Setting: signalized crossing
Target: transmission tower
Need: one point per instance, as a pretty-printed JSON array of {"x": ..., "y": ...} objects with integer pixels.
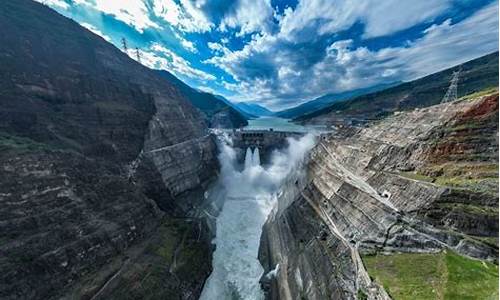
[
  {"x": 124, "y": 45},
  {"x": 451, "y": 94},
  {"x": 138, "y": 54}
]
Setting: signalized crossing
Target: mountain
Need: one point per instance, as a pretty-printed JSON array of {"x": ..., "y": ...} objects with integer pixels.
[
  {"x": 233, "y": 105},
  {"x": 254, "y": 109},
  {"x": 218, "y": 113},
  {"x": 475, "y": 75},
  {"x": 323, "y": 101},
  {"x": 104, "y": 164},
  {"x": 385, "y": 207}
]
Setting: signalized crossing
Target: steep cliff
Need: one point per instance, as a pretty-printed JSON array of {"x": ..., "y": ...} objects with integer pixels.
[
  {"x": 395, "y": 186},
  {"x": 103, "y": 163}
]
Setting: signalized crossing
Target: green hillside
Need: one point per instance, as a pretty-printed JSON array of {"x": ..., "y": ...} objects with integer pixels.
[{"x": 475, "y": 75}]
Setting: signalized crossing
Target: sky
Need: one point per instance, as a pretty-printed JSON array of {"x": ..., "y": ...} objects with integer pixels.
[{"x": 280, "y": 53}]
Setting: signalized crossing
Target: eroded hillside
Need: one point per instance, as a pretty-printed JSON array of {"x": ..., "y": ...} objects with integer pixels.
[
  {"x": 421, "y": 181},
  {"x": 102, "y": 161}
]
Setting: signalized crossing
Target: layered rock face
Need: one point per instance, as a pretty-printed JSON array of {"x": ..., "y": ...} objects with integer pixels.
[
  {"x": 103, "y": 163},
  {"x": 373, "y": 190}
]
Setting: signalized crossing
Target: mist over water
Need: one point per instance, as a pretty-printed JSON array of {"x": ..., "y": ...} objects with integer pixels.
[{"x": 249, "y": 196}]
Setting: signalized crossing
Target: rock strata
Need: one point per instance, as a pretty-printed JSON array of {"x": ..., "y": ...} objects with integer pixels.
[
  {"x": 103, "y": 165},
  {"x": 366, "y": 192}
]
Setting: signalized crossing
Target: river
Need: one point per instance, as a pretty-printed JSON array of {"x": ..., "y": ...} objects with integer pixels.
[
  {"x": 280, "y": 124},
  {"x": 249, "y": 195}
]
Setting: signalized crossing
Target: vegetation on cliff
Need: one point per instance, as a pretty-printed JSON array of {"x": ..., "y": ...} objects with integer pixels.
[{"x": 444, "y": 275}]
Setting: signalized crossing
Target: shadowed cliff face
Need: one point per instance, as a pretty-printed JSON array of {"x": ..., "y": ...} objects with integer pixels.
[
  {"x": 98, "y": 155},
  {"x": 416, "y": 182}
]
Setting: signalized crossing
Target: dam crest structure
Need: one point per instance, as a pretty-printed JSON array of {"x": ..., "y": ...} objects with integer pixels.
[{"x": 265, "y": 140}]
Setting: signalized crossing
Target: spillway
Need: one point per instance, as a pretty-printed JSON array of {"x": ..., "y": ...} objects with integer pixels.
[{"x": 248, "y": 195}]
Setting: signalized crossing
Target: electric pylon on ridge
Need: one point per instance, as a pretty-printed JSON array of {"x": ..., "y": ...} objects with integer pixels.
[{"x": 452, "y": 95}]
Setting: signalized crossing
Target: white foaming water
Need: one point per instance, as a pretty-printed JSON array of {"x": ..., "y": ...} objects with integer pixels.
[
  {"x": 248, "y": 158},
  {"x": 256, "y": 157},
  {"x": 248, "y": 199}
]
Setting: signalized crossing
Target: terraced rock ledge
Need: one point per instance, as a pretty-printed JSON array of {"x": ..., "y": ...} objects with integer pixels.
[{"x": 420, "y": 182}]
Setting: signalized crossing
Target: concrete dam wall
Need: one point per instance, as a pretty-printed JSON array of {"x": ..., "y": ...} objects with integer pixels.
[{"x": 266, "y": 140}]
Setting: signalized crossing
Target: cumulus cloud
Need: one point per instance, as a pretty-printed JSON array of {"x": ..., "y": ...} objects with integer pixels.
[
  {"x": 443, "y": 45},
  {"x": 249, "y": 16},
  {"x": 218, "y": 48},
  {"x": 185, "y": 15},
  {"x": 188, "y": 45},
  {"x": 318, "y": 17},
  {"x": 132, "y": 12},
  {"x": 284, "y": 55},
  {"x": 280, "y": 71},
  {"x": 55, "y": 3},
  {"x": 159, "y": 57},
  {"x": 96, "y": 31}
]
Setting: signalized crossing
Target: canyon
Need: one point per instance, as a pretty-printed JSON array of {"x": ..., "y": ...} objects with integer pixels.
[
  {"x": 361, "y": 197},
  {"x": 115, "y": 182}
]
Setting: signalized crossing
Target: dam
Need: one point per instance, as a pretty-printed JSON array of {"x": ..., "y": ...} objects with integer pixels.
[
  {"x": 265, "y": 140},
  {"x": 254, "y": 165}
]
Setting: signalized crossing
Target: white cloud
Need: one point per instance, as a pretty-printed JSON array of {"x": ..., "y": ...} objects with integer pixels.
[
  {"x": 250, "y": 16},
  {"x": 379, "y": 17},
  {"x": 185, "y": 16},
  {"x": 218, "y": 48},
  {"x": 290, "y": 56},
  {"x": 96, "y": 31},
  {"x": 201, "y": 16},
  {"x": 386, "y": 17},
  {"x": 279, "y": 73},
  {"x": 55, "y": 3},
  {"x": 159, "y": 57},
  {"x": 188, "y": 45},
  {"x": 207, "y": 89},
  {"x": 132, "y": 12}
]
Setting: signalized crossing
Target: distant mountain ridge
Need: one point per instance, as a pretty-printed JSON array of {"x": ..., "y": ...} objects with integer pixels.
[
  {"x": 325, "y": 100},
  {"x": 218, "y": 112},
  {"x": 233, "y": 105},
  {"x": 254, "y": 109},
  {"x": 475, "y": 75}
]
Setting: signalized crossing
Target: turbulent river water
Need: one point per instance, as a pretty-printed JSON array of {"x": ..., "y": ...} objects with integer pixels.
[{"x": 248, "y": 192}]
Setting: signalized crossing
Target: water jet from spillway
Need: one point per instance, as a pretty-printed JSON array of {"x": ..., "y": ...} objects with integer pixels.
[
  {"x": 248, "y": 158},
  {"x": 256, "y": 157}
]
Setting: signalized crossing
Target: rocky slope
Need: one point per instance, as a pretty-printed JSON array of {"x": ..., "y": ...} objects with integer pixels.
[
  {"x": 103, "y": 163},
  {"x": 420, "y": 181},
  {"x": 219, "y": 114}
]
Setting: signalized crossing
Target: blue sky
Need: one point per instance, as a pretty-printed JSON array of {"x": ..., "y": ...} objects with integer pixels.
[{"x": 280, "y": 53}]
